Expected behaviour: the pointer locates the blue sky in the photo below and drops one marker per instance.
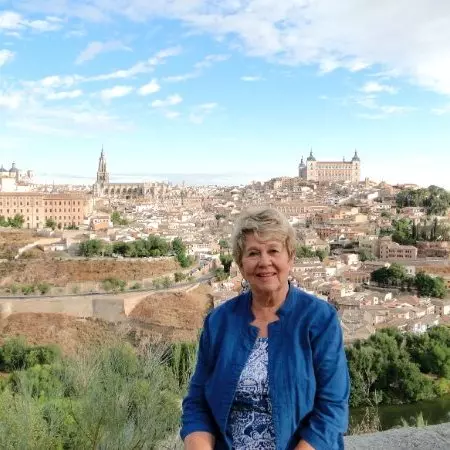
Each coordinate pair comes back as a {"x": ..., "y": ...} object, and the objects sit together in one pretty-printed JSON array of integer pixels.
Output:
[{"x": 228, "y": 91}]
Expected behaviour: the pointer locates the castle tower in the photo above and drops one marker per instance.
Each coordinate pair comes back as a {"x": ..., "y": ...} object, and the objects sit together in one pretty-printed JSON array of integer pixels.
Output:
[
  {"x": 311, "y": 167},
  {"x": 356, "y": 168}
]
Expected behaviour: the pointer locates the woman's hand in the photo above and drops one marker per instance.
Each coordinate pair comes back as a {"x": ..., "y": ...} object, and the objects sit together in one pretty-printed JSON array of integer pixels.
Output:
[
  {"x": 199, "y": 440},
  {"x": 303, "y": 445}
]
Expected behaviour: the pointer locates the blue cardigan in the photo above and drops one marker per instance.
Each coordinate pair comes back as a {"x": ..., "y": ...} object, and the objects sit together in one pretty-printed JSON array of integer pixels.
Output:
[{"x": 308, "y": 372}]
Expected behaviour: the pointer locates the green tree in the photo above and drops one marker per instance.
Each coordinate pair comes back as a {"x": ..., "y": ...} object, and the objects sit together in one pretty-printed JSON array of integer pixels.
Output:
[
  {"x": 50, "y": 223},
  {"x": 91, "y": 247},
  {"x": 117, "y": 219},
  {"x": 179, "y": 248},
  {"x": 17, "y": 221},
  {"x": 394, "y": 275},
  {"x": 227, "y": 261},
  {"x": 224, "y": 244},
  {"x": 428, "y": 286},
  {"x": 303, "y": 251},
  {"x": 403, "y": 232},
  {"x": 321, "y": 254},
  {"x": 366, "y": 255}
]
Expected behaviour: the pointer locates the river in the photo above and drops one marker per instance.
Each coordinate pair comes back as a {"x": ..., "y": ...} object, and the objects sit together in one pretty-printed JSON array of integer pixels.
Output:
[{"x": 433, "y": 411}]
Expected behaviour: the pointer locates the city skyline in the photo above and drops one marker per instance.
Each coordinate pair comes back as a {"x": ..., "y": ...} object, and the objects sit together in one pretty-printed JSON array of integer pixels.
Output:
[{"x": 227, "y": 94}]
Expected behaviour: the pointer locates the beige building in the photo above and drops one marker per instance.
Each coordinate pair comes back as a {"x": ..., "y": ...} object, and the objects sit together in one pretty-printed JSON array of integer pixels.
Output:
[
  {"x": 330, "y": 171},
  {"x": 392, "y": 250},
  {"x": 65, "y": 209}
]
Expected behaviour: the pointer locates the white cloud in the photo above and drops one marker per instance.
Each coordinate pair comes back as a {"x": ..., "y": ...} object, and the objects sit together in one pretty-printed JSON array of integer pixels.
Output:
[
  {"x": 150, "y": 88},
  {"x": 207, "y": 62},
  {"x": 200, "y": 112},
  {"x": 79, "y": 121},
  {"x": 95, "y": 48},
  {"x": 6, "y": 56},
  {"x": 141, "y": 66},
  {"x": 171, "y": 100},
  {"x": 410, "y": 36},
  {"x": 64, "y": 95},
  {"x": 184, "y": 77},
  {"x": 10, "y": 100},
  {"x": 115, "y": 92},
  {"x": 56, "y": 81},
  {"x": 13, "y": 21},
  {"x": 442, "y": 110},
  {"x": 379, "y": 111},
  {"x": 251, "y": 78},
  {"x": 375, "y": 87},
  {"x": 171, "y": 115}
]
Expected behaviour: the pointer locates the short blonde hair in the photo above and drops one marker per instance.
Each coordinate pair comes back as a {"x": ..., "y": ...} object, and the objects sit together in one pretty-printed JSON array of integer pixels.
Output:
[{"x": 265, "y": 223}]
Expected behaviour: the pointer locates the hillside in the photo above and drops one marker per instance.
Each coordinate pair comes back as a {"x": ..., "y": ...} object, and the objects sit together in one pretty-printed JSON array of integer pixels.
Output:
[
  {"x": 162, "y": 317},
  {"x": 175, "y": 316},
  {"x": 11, "y": 239},
  {"x": 60, "y": 272}
]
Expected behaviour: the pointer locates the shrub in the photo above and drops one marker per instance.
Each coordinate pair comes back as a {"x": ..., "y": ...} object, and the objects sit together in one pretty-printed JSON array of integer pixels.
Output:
[
  {"x": 113, "y": 284},
  {"x": 109, "y": 397},
  {"x": 157, "y": 283},
  {"x": 28, "y": 289},
  {"x": 136, "y": 286},
  {"x": 166, "y": 282},
  {"x": 13, "y": 354},
  {"x": 43, "y": 287},
  {"x": 14, "y": 288},
  {"x": 179, "y": 276},
  {"x": 442, "y": 387},
  {"x": 75, "y": 289}
]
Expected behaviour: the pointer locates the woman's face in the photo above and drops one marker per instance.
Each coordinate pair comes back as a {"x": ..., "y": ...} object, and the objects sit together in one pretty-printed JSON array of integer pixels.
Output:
[{"x": 265, "y": 264}]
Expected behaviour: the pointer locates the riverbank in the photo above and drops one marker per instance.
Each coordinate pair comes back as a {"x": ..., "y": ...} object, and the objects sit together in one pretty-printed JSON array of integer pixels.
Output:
[{"x": 434, "y": 412}]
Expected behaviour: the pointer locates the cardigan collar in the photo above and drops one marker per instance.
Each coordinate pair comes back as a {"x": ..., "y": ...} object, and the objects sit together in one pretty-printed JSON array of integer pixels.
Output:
[{"x": 281, "y": 312}]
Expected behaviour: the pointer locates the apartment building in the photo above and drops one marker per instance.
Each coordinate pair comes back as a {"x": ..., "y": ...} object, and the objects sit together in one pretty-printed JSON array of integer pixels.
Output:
[
  {"x": 64, "y": 208},
  {"x": 392, "y": 250}
]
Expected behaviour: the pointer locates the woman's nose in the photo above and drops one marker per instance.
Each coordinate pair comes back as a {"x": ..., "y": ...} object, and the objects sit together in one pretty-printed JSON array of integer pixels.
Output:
[{"x": 264, "y": 258}]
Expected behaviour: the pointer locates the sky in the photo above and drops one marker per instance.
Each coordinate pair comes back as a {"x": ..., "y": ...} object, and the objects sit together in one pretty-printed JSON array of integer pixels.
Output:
[{"x": 224, "y": 91}]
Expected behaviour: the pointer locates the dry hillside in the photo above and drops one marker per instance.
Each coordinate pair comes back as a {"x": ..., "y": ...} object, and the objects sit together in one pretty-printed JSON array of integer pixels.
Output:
[
  {"x": 175, "y": 316},
  {"x": 61, "y": 272},
  {"x": 11, "y": 239},
  {"x": 66, "y": 331},
  {"x": 162, "y": 317}
]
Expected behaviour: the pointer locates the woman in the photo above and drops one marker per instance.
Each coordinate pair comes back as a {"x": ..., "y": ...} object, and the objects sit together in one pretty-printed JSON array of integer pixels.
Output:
[{"x": 271, "y": 369}]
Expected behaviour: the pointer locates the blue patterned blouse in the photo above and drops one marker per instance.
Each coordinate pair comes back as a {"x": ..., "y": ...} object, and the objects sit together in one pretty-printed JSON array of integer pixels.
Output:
[{"x": 250, "y": 423}]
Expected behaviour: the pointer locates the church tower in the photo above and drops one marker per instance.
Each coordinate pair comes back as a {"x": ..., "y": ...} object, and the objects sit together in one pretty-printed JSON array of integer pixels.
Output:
[
  {"x": 102, "y": 176},
  {"x": 302, "y": 169},
  {"x": 102, "y": 172}
]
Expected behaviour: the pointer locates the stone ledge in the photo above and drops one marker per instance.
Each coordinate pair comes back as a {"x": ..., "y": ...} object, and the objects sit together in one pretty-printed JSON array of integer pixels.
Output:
[{"x": 435, "y": 437}]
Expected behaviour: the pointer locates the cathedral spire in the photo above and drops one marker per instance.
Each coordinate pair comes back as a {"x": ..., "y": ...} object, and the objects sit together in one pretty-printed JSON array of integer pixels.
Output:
[{"x": 102, "y": 172}]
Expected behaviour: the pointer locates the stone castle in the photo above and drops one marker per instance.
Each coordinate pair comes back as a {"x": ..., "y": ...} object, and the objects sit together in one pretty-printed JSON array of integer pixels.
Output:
[{"x": 330, "y": 171}]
